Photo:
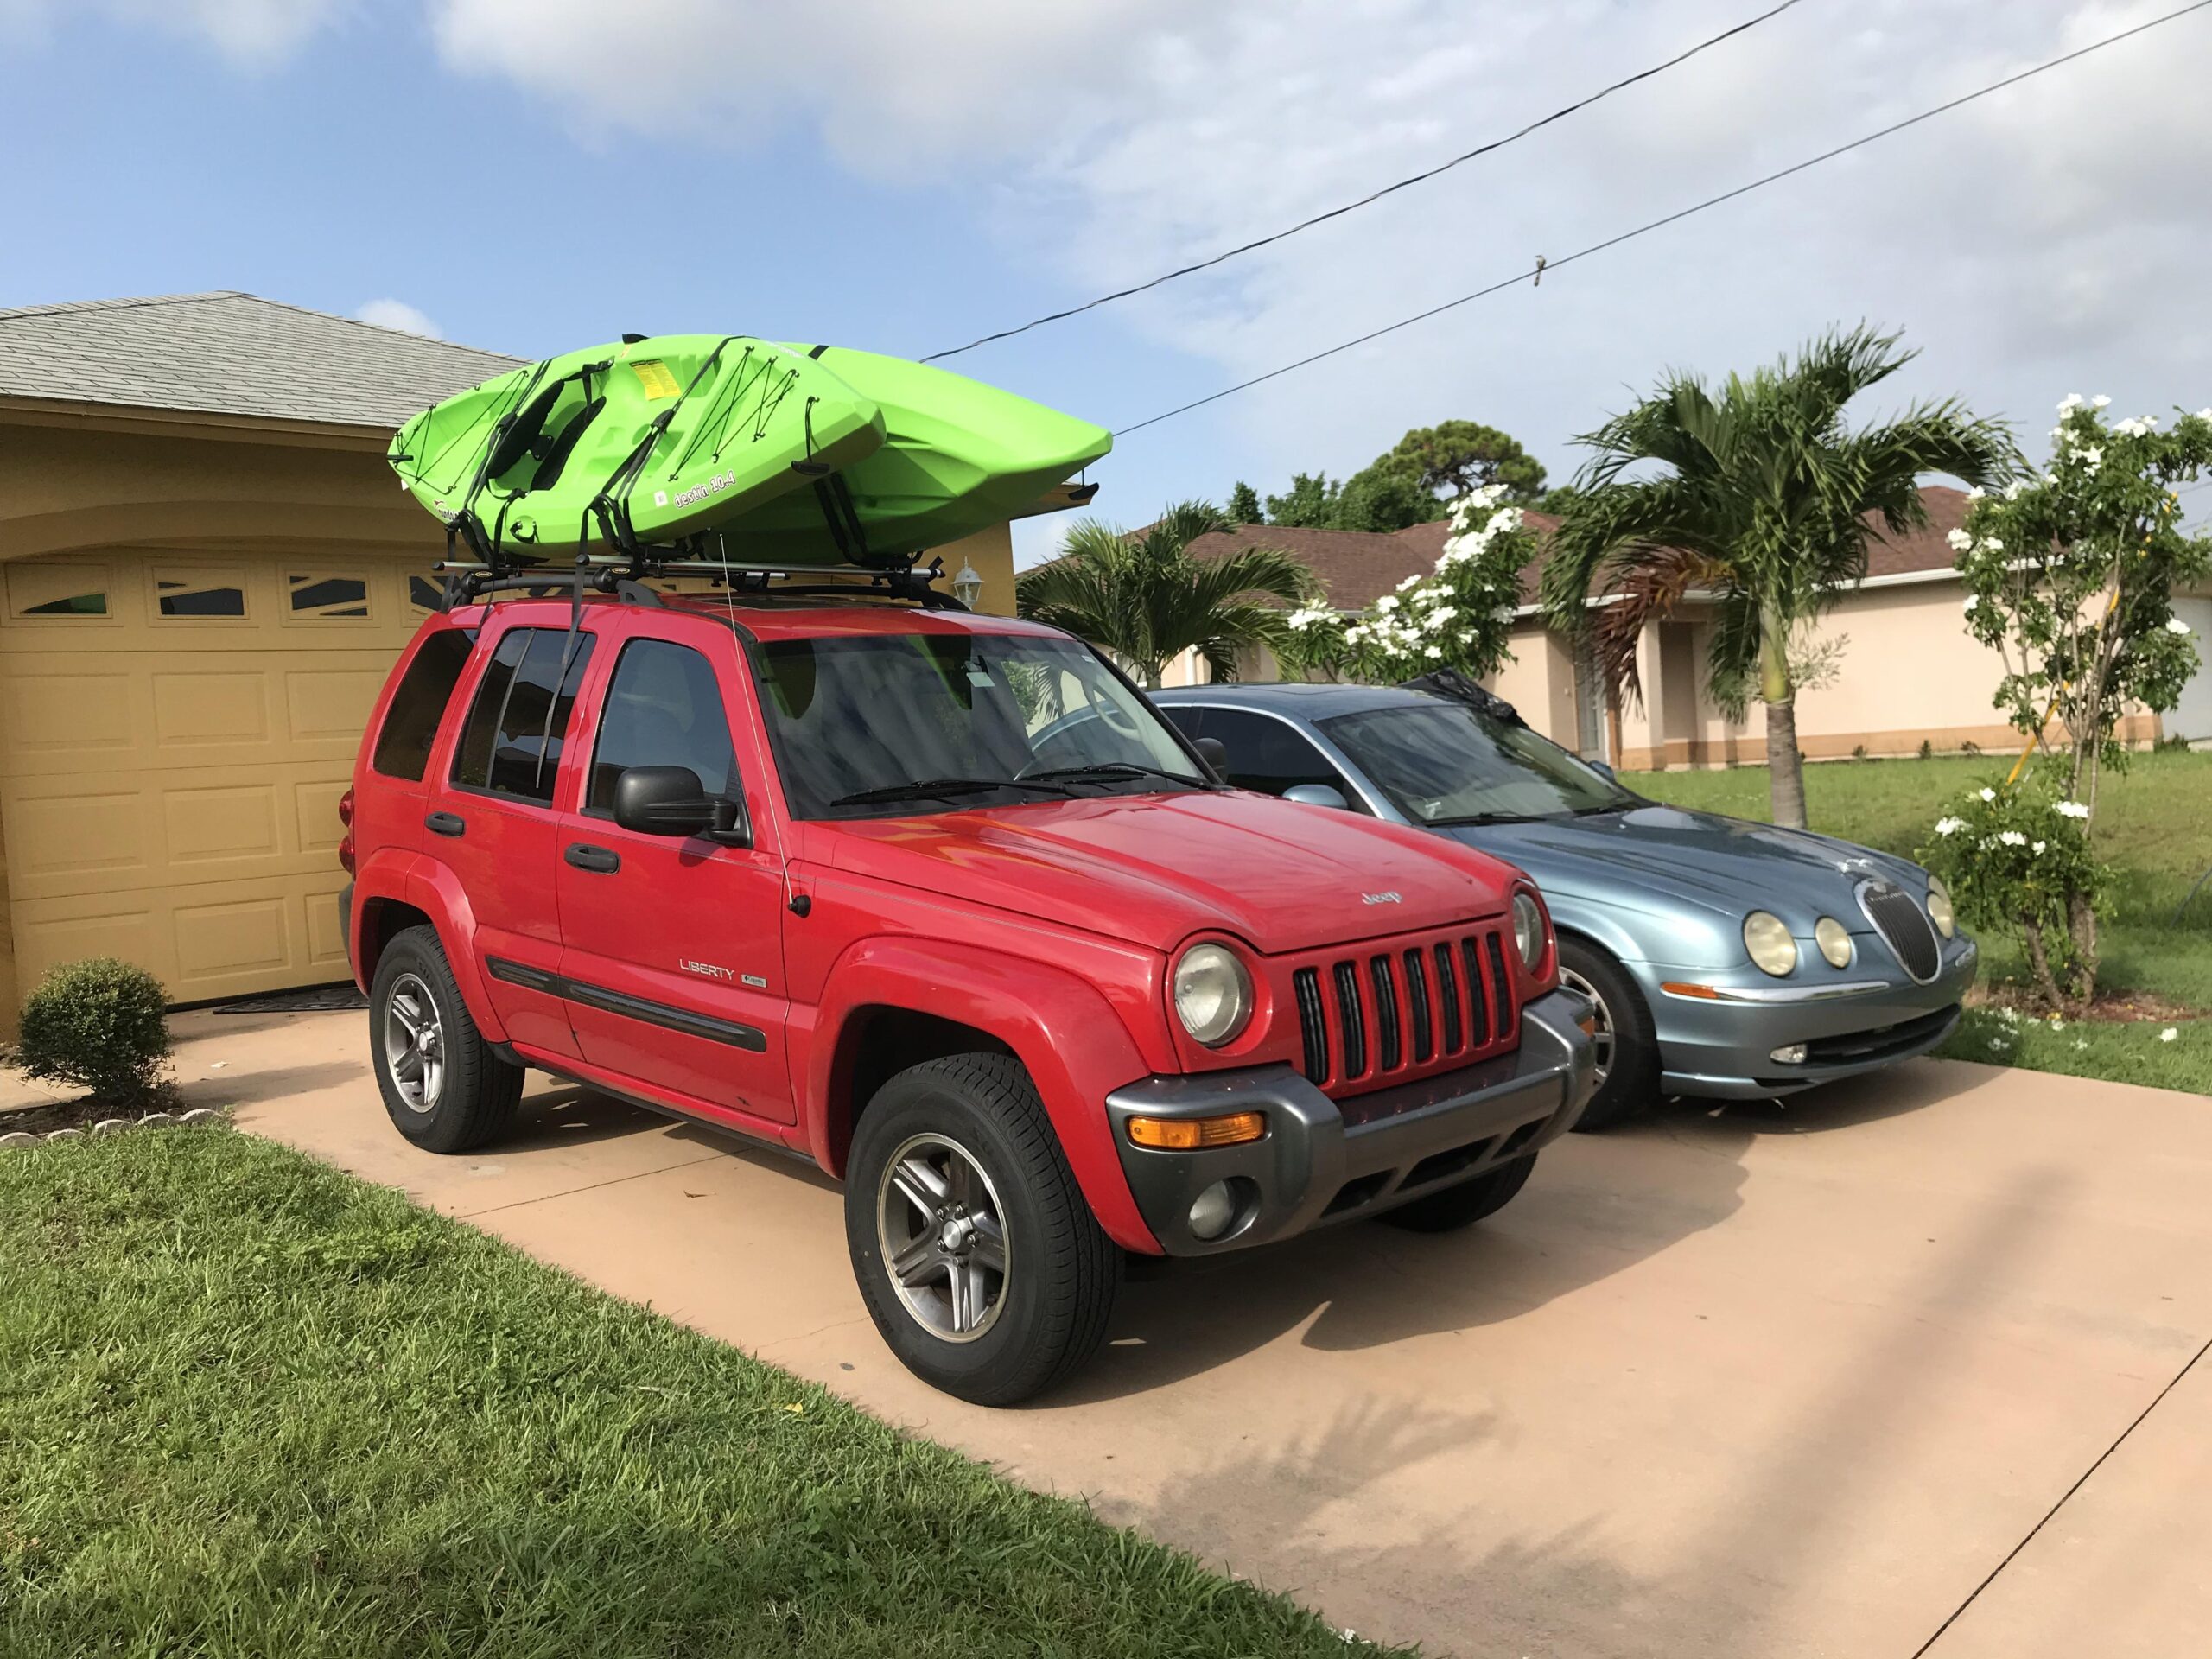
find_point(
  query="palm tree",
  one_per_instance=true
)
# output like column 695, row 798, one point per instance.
column 1143, row 597
column 1763, row 507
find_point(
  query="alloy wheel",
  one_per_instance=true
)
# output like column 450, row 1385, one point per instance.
column 413, row 1043
column 1601, row 1039
column 941, row 1232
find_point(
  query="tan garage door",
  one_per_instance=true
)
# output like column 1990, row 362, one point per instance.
column 176, row 731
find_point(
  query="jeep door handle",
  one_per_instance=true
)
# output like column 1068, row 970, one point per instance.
column 599, row 861
column 445, row 824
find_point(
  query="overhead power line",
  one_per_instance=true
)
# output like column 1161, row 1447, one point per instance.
column 1373, row 196
column 1547, row 266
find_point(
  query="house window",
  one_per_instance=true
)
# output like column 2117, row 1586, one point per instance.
column 197, row 595
column 320, row 597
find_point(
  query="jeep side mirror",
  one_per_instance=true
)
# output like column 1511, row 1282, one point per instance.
column 1318, row 795
column 667, row 801
column 1214, row 753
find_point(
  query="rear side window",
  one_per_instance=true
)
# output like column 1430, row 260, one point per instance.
column 664, row 709
column 410, row 726
column 511, row 744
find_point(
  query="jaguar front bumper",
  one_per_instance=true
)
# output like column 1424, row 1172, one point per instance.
column 1319, row 1163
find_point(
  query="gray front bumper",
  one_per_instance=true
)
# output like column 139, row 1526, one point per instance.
column 1313, row 1167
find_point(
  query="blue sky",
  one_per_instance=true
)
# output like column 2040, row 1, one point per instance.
column 535, row 174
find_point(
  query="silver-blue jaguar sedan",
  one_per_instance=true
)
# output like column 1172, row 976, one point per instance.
column 1727, row 958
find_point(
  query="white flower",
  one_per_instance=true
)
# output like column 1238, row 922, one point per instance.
column 2012, row 838
column 2071, row 809
column 2204, row 414
column 1388, row 602
column 2081, row 1045
column 1988, row 794
column 2100, row 401
column 2168, row 1034
column 1433, row 651
column 2050, row 477
column 2092, row 457
column 1992, row 544
column 1960, row 541
column 2070, row 402
column 1408, row 583
column 1973, row 601
column 1949, row 826
column 2140, row 427
column 2012, row 489
column 2175, row 624
column 1997, row 1045
column 2057, row 1024
column 1468, row 637
column 2038, row 849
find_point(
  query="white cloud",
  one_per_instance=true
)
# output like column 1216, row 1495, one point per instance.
column 398, row 314
column 252, row 34
column 2050, row 235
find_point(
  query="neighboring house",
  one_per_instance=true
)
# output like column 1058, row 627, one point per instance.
column 206, row 571
column 1907, row 673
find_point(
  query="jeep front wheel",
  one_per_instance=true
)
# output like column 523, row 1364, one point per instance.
column 976, row 1253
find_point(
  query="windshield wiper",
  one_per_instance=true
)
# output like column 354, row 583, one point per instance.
column 1491, row 817
column 924, row 789
column 1124, row 769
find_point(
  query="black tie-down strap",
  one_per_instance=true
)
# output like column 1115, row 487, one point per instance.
column 842, row 517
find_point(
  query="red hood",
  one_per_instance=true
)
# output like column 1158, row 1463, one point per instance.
column 1155, row 869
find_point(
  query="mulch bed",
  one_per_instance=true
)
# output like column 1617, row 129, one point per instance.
column 2121, row 1008
column 80, row 1113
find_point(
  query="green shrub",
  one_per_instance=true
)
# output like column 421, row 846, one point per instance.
column 102, row 1025
column 2018, row 860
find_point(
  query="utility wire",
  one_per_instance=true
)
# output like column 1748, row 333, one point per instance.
column 1547, row 266
column 1372, row 197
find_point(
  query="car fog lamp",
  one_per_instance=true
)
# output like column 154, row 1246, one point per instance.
column 1835, row 940
column 1213, row 994
column 1528, row 930
column 1768, row 939
column 1939, row 907
column 1212, row 1211
column 1789, row 1054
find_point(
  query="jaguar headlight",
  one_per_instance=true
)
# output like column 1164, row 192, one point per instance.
column 1835, row 940
column 1213, row 994
column 1939, row 907
column 1767, row 938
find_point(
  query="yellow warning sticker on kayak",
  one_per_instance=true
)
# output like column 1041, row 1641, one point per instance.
column 657, row 380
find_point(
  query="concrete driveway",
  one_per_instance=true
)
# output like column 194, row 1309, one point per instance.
column 1861, row 1375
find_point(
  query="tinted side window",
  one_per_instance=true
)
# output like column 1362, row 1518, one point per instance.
column 511, row 744
column 664, row 709
column 410, row 726
column 1267, row 755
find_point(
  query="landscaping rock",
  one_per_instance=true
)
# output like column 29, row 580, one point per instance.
column 65, row 1134
column 17, row 1138
column 204, row 1114
column 112, row 1126
column 157, row 1120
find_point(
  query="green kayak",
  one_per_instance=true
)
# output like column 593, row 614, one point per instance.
column 793, row 456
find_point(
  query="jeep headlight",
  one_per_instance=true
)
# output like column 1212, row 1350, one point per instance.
column 1767, row 938
column 1528, row 930
column 1939, row 907
column 1213, row 994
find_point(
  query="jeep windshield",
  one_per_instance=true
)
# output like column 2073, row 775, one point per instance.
column 884, row 724
column 1444, row 764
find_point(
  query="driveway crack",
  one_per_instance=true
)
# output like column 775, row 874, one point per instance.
column 593, row 1186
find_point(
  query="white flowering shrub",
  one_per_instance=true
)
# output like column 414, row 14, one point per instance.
column 2070, row 577
column 1460, row 615
column 2018, row 861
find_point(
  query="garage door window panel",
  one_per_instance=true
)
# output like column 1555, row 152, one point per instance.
column 65, row 593
column 317, row 596
column 188, row 595
column 511, row 744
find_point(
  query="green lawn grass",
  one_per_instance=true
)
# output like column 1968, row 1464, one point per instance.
column 250, row 1406
column 2154, row 828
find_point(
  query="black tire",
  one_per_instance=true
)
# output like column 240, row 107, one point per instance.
column 1631, row 1082
column 1465, row 1205
column 1060, row 1272
column 475, row 1091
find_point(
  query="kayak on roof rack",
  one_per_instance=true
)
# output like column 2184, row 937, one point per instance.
column 794, row 456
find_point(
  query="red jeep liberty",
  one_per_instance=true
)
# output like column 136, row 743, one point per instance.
column 938, row 901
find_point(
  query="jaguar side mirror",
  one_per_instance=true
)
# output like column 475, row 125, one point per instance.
column 1603, row 770
column 1318, row 795
column 1214, row 753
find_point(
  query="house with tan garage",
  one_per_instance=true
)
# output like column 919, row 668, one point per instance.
column 205, row 570
column 1894, row 667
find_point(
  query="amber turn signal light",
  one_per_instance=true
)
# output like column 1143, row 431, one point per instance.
column 1191, row 1133
column 1702, row 993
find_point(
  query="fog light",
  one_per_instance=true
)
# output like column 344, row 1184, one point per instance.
column 1212, row 1211
column 1789, row 1054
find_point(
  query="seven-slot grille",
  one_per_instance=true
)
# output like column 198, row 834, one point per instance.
column 1900, row 920
column 1380, row 1015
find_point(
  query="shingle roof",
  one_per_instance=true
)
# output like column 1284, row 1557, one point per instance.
column 231, row 354
column 1358, row 567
